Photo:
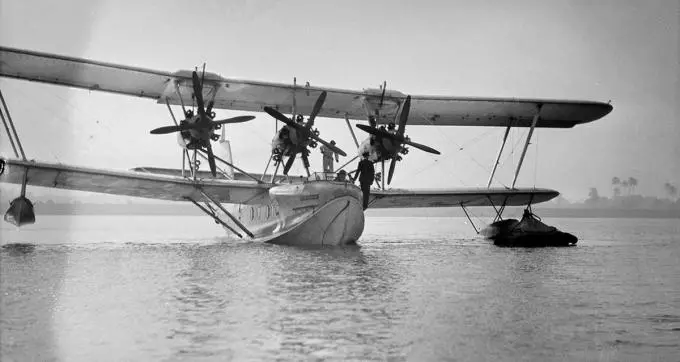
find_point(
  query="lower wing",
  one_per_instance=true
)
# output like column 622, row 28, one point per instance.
column 496, row 197
column 136, row 184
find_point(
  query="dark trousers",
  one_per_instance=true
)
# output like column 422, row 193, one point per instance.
column 366, row 189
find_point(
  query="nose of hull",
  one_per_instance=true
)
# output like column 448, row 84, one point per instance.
column 338, row 222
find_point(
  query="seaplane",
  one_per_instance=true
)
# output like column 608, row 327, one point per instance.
column 317, row 209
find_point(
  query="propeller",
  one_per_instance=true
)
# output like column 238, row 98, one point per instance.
column 397, row 137
column 303, row 133
column 198, row 126
column 302, row 130
column 204, row 125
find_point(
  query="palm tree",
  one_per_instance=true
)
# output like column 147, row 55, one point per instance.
column 671, row 189
column 615, row 190
column 632, row 182
column 625, row 185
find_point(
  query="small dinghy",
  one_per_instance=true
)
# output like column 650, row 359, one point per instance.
column 528, row 232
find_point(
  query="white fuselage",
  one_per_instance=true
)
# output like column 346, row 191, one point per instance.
column 304, row 213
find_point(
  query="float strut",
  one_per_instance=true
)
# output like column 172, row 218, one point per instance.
column 468, row 217
column 498, row 212
column 20, row 210
column 227, row 213
column 212, row 214
column 526, row 144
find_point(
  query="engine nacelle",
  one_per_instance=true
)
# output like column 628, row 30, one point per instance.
column 374, row 150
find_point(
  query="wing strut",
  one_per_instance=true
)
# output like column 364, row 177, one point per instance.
column 185, row 152
column 526, row 144
column 181, row 101
column 498, row 158
column 20, row 210
column 351, row 131
column 13, row 136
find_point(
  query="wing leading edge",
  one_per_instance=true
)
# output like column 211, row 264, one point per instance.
column 246, row 95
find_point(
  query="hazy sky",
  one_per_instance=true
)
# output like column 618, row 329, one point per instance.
column 623, row 51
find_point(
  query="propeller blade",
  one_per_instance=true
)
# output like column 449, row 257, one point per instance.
column 198, row 93
column 404, row 116
column 334, row 148
column 211, row 160
column 238, row 119
column 170, row 129
column 276, row 114
column 316, row 109
column 378, row 132
column 203, row 76
column 422, row 147
column 389, row 175
column 289, row 164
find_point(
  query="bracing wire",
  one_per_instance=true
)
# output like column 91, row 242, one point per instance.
column 462, row 147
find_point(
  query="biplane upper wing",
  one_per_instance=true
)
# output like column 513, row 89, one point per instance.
column 496, row 197
column 138, row 184
column 246, row 95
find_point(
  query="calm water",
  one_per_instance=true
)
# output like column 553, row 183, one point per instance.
column 114, row 288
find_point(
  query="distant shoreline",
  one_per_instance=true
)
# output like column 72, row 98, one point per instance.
column 190, row 210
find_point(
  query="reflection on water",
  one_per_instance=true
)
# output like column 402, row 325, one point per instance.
column 30, row 283
column 396, row 296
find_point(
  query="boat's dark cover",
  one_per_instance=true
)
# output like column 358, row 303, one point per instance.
column 528, row 232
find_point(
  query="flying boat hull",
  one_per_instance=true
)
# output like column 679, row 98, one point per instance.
column 310, row 213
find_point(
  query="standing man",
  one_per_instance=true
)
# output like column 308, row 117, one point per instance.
column 328, row 157
column 365, row 174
